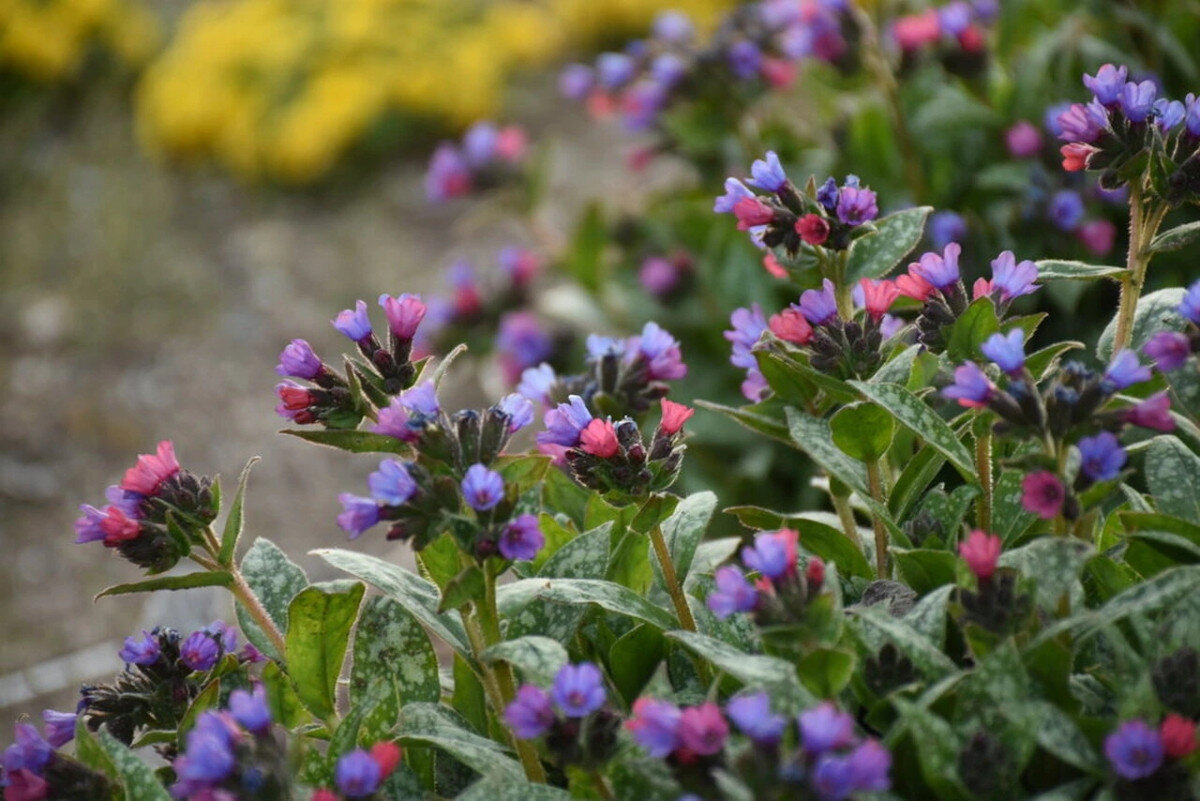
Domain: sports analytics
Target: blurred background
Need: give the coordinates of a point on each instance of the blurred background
(184, 187)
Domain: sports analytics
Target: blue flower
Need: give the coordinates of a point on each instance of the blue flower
(1013, 278)
(856, 205)
(144, 651)
(358, 514)
(482, 488)
(1168, 113)
(744, 59)
(1066, 209)
(939, 270)
(522, 538)
(530, 714)
(1107, 84)
(600, 346)
(579, 689)
(1134, 750)
(819, 306)
(773, 554)
(1125, 371)
(946, 227)
(827, 195)
(200, 651)
(391, 484)
(615, 69)
(299, 361)
(768, 174)
(29, 751)
(735, 192)
(1006, 350)
(250, 710)
(655, 726)
(751, 713)
(357, 775)
(1137, 100)
(1189, 307)
(575, 81)
(1191, 117)
(537, 382)
(1101, 457)
(824, 728)
(971, 387)
(674, 27)
(60, 727)
(354, 324)
(565, 422)
(733, 593)
(519, 410)
(661, 352)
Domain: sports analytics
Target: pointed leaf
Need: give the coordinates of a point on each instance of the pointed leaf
(1056, 269)
(607, 595)
(352, 441)
(139, 779)
(275, 579)
(321, 617)
(776, 676)
(1155, 312)
(1173, 473)
(391, 647)
(862, 431)
(432, 725)
(538, 658)
(234, 522)
(917, 416)
(1175, 238)
(184, 582)
(877, 254)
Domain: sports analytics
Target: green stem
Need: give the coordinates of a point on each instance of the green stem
(678, 598)
(1144, 221)
(841, 505)
(983, 466)
(881, 537)
(245, 595)
(843, 292)
(602, 786)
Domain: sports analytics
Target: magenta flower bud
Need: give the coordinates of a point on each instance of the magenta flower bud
(981, 552)
(298, 360)
(404, 314)
(1154, 413)
(200, 651)
(151, 470)
(702, 729)
(1024, 140)
(1170, 350)
(1043, 494)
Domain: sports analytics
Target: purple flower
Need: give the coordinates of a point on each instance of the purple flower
(702, 729)
(748, 326)
(1125, 371)
(225, 635)
(1191, 115)
(659, 276)
(674, 27)
(209, 757)
(522, 342)
(1023, 140)
(354, 324)
(298, 360)
(946, 227)
(29, 750)
(391, 484)
(250, 709)
(870, 764)
(1154, 413)
(614, 70)
(519, 410)
(1107, 84)
(1006, 350)
(1170, 350)
(576, 81)
(200, 651)
(735, 192)
(768, 174)
(579, 689)
(522, 538)
(655, 726)
(89, 527)
(1137, 100)
(537, 382)
(449, 175)
(479, 143)
(668, 69)
(745, 58)
(600, 346)
(828, 194)
(60, 727)
(940, 271)
(856, 206)
(1013, 278)
(530, 714)
(1134, 750)
(1066, 209)
(1101, 456)
(565, 422)
(825, 727)
(819, 306)
(1168, 113)
(833, 777)
(751, 713)
(733, 593)
(773, 554)
(1189, 307)
(144, 651)
(358, 514)
(1080, 123)
(421, 399)
(357, 775)
(404, 314)
(954, 17)
(1043, 494)
(660, 350)
(482, 488)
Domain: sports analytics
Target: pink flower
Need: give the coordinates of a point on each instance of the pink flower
(702, 729)
(1154, 412)
(914, 286)
(791, 326)
(599, 439)
(779, 72)
(1023, 139)
(878, 296)
(151, 470)
(772, 265)
(750, 212)
(814, 573)
(1077, 155)
(387, 756)
(1178, 736)
(980, 551)
(674, 415)
(512, 143)
(118, 527)
(915, 31)
(813, 229)
(981, 289)
(1098, 236)
(1043, 494)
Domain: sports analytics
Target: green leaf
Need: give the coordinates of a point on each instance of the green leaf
(1054, 563)
(916, 415)
(285, 705)
(139, 779)
(1152, 595)
(89, 752)
(352, 441)
(586, 556)
(925, 655)
(753, 420)
(390, 647)
(275, 579)
(1175, 238)
(633, 658)
(538, 658)
(1056, 269)
(776, 676)
(496, 789)
(1173, 473)
(862, 431)
(826, 671)
(411, 591)
(585, 258)
(925, 569)
(685, 528)
(813, 436)
(1155, 312)
(321, 617)
(607, 595)
(919, 471)
(464, 588)
(1040, 361)
(443, 367)
(184, 582)
(937, 747)
(235, 521)
(971, 330)
(795, 382)
(432, 725)
(877, 254)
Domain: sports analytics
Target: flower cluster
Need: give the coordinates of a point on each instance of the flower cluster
(33, 770)
(163, 673)
(817, 221)
(1126, 119)
(572, 717)
(995, 604)
(758, 44)
(612, 458)
(154, 514)
(1147, 756)
(339, 401)
(828, 760)
(781, 594)
(487, 156)
(1170, 350)
(955, 32)
(1072, 409)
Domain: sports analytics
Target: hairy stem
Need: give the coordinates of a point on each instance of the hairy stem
(841, 505)
(678, 598)
(1144, 221)
(983, 466)
(881, 537)
(246, 597)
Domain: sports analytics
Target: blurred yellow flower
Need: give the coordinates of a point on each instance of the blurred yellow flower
(50, 40)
